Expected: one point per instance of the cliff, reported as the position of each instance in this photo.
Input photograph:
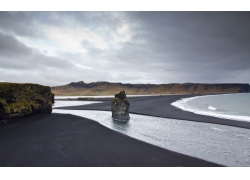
(17, 100)
(107, 88)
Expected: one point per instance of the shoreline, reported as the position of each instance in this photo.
(181, 105)
(70, 141)
(160, 106)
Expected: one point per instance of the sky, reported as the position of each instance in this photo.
(56, 48)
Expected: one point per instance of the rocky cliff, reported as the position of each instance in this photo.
(17, 100)
(107, 88)
(120, 107)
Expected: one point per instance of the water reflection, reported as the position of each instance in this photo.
(120, 125)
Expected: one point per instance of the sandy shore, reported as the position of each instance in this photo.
(67, 140)
(160, 106)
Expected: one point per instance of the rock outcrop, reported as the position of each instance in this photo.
(17, 100)
(120, 107)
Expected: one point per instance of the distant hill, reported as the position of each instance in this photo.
(107, 88)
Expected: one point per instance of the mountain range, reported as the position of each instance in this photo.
(107, 88)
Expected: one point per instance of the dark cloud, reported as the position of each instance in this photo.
(21, 23)
(15, 55)
(9, 46)
(143, 47)
(29, 23)
(213, 41)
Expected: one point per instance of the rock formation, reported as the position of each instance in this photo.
(120, 107)
(17, 100)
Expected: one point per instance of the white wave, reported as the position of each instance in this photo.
(182, 104)
(212, 108)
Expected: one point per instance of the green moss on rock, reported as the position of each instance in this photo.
(18, 100)
(121, 95)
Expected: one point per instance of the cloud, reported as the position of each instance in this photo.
(13, 53)
(72, 38)
(9, 46)
(122, 33)
(56, 48)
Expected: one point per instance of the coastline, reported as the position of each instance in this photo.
(70, 141)
(160, 106)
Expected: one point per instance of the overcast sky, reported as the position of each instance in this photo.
(56, 48)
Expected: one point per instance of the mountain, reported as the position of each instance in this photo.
(107, 88)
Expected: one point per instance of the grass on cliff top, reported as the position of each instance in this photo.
(6, 86)
(23, 98)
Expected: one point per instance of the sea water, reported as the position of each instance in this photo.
(227, 106)
(221, 144)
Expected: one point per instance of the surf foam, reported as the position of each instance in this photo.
(182, 104)
(212, 108)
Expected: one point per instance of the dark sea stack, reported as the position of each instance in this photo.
(17, 100)
(120, 107)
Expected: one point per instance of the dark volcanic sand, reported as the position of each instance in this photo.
(160, 106)
(67, 140)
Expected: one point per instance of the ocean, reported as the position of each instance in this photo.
(227, 106)
(221, 144)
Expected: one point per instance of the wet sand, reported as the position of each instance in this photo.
(160, 106)
(71, 141)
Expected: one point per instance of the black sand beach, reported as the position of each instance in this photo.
(71, 141)
(67, 140)
(160, 106)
